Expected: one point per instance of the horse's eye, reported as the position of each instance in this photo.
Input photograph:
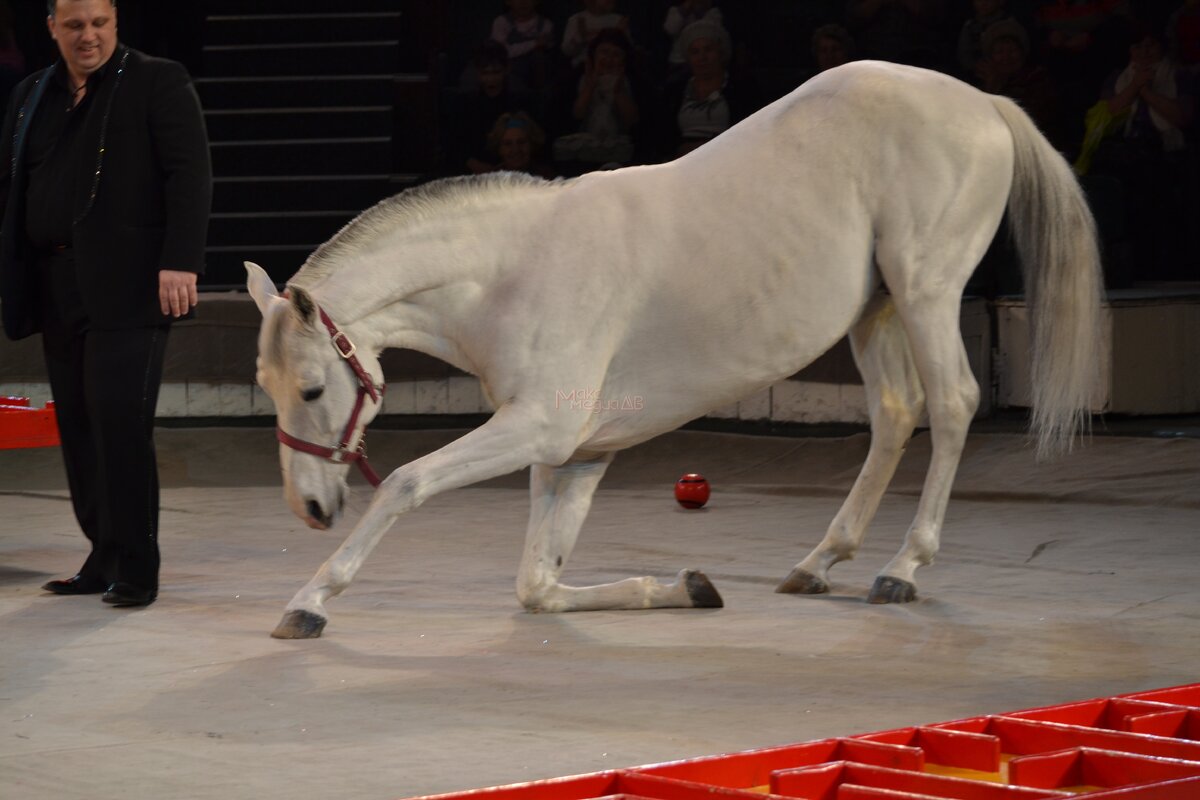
(311, 394)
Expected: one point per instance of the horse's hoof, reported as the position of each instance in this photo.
(892, 590)
(701, 590)
(299, 624)
(801, 581)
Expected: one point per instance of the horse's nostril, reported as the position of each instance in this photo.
(314, 511)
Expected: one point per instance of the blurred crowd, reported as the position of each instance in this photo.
(563, 87)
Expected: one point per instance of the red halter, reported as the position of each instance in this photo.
(342, 454)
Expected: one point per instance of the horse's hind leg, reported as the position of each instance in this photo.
(559, 501)
(894, 400)
(952, 395)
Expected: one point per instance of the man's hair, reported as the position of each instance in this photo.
(52, 6)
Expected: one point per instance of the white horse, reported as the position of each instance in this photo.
(860, 203)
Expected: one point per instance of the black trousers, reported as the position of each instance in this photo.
(105, 385)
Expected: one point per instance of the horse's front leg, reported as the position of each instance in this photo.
(559, 501)
(509, 441)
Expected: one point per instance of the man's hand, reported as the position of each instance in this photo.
(177, 291)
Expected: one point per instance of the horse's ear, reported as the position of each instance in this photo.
(303, 303)
(260, 286)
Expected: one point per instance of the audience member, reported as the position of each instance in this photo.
(528, 36)
(679, 16)
(582, 28)
(707, 100)
(516, 143)
(970, 38)
(832, 46)
(1005, 68)
(605, 108)
(1078, 42)
(1183, 33)
(471, 112)
(1146, 153)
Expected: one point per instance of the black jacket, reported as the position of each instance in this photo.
(147, 209)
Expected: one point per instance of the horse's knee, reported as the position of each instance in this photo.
(402, 491)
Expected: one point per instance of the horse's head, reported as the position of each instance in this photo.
(322, 402)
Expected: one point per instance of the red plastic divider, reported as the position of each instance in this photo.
(22, 426)
(1140, 746)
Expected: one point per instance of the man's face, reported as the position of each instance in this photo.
(86, 34)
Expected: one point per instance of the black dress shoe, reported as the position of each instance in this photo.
(79, 584)
(126, 594)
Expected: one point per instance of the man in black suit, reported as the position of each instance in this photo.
(105, 188)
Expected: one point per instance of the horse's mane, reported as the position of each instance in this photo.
(411, 205)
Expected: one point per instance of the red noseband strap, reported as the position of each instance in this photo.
(342, 453)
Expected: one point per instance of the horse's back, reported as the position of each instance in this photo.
(869, 123)
(740, 263)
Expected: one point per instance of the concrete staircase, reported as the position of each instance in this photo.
(303, 101)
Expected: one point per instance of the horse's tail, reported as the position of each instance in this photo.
(1056, 239)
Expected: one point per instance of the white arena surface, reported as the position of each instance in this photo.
(1056, 582)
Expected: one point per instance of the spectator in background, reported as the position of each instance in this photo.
(832, 46)
(527, 36)
(1078, 43)
(472, 112)
(707, 100)
(970, 38)
(605, 109)
(1004, 68)
(679, 16)
(582, 28)
(516, 143)
(1183, 33)
(1154, 105)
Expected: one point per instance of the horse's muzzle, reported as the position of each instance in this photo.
(317, 517)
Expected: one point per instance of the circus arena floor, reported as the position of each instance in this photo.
(1067, 581)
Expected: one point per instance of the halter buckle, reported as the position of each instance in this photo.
(341, 342)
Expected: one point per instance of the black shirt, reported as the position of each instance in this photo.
(55, 152)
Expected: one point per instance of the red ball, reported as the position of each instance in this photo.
(692, 490)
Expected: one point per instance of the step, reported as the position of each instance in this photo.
(284, 91)
(232, 7)
(224, 265)
(351, 156)
(304, 192)
(376, 56)
(253, 27)
(243, 229)
(315, 123)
